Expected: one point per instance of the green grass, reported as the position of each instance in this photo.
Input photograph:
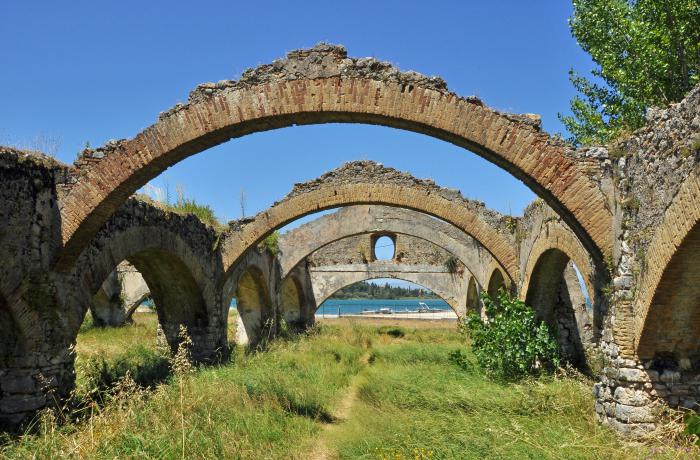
(411, 401)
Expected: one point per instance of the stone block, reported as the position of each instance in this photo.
(633, 375)
(18, 384)
(632, 430)
(21, 403)
(630, 397)
(634, 414)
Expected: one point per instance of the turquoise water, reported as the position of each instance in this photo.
(334, 306)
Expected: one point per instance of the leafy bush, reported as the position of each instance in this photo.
(692, 426)
(511, 344)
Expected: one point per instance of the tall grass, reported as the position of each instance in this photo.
(413, 401)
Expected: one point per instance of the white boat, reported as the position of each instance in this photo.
(385, 311)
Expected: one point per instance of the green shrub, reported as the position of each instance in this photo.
(692, 426)
(511, 344)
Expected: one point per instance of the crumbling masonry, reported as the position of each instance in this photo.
(624, 215)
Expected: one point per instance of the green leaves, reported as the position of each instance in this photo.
(648, 54)
(511, 344)
(692, 426)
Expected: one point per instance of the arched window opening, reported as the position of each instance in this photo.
(496, 283)
(384, 247)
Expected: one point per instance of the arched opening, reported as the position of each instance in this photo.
(386, 298)
(555, 293)
(156, 275)
(671, 330)
(384, 247)
(253, 305)
(8, 332)
(119, 296)
(292, 301)
(473, 302)
(496, 283)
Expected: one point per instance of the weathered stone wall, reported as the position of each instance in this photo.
(656, 212)
(33, 355)
(408, 250)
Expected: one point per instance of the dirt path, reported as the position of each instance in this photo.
(321, 449)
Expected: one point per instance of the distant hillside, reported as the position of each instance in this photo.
(369, 290)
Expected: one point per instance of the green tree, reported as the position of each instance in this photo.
(647, 54)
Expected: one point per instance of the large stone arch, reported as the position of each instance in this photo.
(323, 85)
(668, 296)
(366, 182)
(174, 255)
(327, 280)
(299, 243)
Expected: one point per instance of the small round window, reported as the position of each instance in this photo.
(384, 248)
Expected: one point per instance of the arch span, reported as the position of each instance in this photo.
(366, 182)
(323, 85)
(299, 243)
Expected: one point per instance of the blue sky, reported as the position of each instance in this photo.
(96, 70)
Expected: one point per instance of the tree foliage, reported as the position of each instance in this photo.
(369, 290)
(511, 343)
(647, 54)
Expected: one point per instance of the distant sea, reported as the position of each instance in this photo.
(334, 306)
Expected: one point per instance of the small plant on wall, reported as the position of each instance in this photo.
(452, 264)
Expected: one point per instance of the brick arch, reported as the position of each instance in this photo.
(370, 183)
(554, 236)
(323, 85)
(668, 297)
(349, 221)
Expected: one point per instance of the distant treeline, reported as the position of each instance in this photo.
(369, 290)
